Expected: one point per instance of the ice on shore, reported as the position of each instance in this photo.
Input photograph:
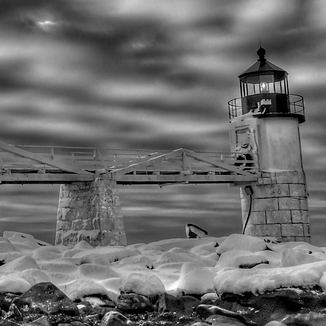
(235, 264)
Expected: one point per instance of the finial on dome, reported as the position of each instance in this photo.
(261, 53)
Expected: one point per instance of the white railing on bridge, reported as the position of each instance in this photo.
(102, 159)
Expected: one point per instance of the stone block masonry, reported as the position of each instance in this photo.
(278, 207)
(90, 211)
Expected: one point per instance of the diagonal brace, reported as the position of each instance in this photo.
(146, 162)
(216, 163)
(42, 159)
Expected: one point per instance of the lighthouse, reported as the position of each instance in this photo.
(264, 126)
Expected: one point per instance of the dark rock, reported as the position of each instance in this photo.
(208, 310)
(134, 303)
(292, 299)
(42, 321)
(181, 306)
(216, 320)
(189, 303)
(6, 299)
(169, 303)
(15, 313)
(9, 322)
(276, 304)
(114, 318)
(76, 323)
(44, 298)
(305, 319)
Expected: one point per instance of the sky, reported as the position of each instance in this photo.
(152, 74)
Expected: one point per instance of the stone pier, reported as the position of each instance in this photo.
(90, 211)
(277, 206)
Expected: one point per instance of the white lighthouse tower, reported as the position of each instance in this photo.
(264, 125)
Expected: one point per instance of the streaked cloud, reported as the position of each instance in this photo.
(152, 75)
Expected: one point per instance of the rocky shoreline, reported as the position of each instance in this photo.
(46, 305)
(238, 280)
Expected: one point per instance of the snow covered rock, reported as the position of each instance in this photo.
(6, 246)
(79, 288)
(142, 283)
(195, 279)
(177, 255)
(46, 253)
(257, 281)
(294, 257)
(104, 255)
(240, 259)
(19, 264)
(241, 242)
(13, 284)
(96, 272)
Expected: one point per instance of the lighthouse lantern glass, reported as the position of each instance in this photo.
(263, 84)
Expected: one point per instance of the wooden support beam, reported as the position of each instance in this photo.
(42, 159)
(144, 163)
(26, 178)
(185, 179)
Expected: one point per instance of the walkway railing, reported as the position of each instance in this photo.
(28, 164)
(296, 107)
(92, 158)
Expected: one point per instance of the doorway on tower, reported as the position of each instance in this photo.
(244, 148)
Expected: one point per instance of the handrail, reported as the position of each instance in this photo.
(296, 107)
(95, 159)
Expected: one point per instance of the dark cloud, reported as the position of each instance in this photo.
(151, 75)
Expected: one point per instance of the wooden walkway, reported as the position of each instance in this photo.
(45, 164)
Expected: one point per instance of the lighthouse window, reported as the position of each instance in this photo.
(278, 87)
(251, 89)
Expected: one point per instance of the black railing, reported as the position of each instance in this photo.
(296, 107)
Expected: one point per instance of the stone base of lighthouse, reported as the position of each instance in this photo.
(277, 207)
(90, 211)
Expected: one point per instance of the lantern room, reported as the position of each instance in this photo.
(264, 92)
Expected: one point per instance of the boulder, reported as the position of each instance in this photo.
(275, 323)
(7, 322)
(114, 318)
(206, 311)
(146, 284)
(42, 321)
(169, 303)
(218, 320)
(185, 305)
(134, 303)
(6, 299)
(44, 298)
(190, 304)
(241, 242)
(311, 318)
(278, 304)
